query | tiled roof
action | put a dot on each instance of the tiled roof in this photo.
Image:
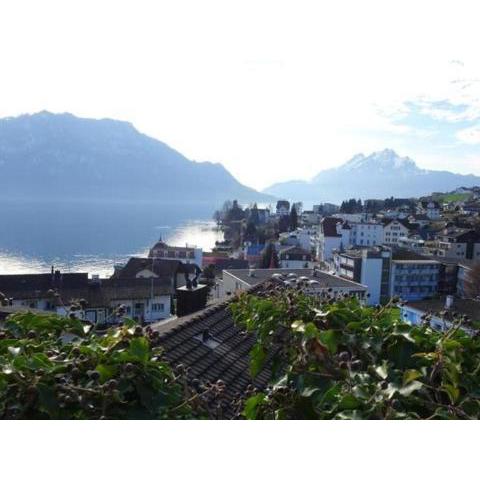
(36, 285)
(161, 267)
(225, 356)
(329, 226)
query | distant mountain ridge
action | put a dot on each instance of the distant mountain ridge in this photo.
(48, 156)
(379, 175)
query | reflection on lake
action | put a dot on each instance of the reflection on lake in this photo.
(91, 237)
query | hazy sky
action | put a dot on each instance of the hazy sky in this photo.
(273, 90)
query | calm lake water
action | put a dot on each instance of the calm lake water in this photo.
(92, 236)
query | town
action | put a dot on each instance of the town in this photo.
(423, 251)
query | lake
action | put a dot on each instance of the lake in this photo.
(93, 236)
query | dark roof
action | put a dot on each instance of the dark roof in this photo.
(295, 253)
(403, 254)
(36, 285)
(283, 203)
(329, 226)
(260, 275)
(161, 267)
(460, 306)
(113, 289)
(403, 222)
(225, 358)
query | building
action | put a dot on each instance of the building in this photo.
(187, 254)
(412, 276)
(253, 253)
(443, 312)
(394, 231)
(370, 267)
(318, 283)
(145, 299)
(366, 233)
(334, 234)
(212, 347)
(430, 208)
(295, 257)
(283, 208)
(390, 272)
(460, 243)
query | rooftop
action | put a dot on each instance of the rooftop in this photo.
(325, 280)
(223, 355)
(468, 307)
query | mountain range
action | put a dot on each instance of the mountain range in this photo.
(379, 175)
(50, 156)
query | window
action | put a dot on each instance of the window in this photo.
(158, 307)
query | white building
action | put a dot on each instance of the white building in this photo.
(393, 231)
(186, 254)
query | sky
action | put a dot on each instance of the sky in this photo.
(273, 90)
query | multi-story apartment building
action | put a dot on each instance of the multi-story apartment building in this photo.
(366, 233)
(413, 277)
(389, 273)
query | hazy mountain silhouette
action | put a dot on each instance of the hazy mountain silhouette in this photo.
(379, 175)
(48, 156)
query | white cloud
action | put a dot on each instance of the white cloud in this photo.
(470, 135)
(271, 89)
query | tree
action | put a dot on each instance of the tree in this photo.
(270, 257)
(335, 359)
(293, 219)
(254, 217)
(250, 232)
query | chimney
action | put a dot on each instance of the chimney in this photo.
(251, 272)
(449, 302)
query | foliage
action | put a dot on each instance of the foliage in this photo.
(335, 359)
(293, 219)
(53, 367)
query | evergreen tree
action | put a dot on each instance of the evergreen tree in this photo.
(293, 219)
(269, 257)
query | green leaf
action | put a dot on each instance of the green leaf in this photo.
(410, 376)
(382, 370)
(106, 372)
(410, 388)
(348, 402)
(251, 406)
(298, 326)
(311, 331)
(328, 339)
(257, 359)
(139, 348)
(14, 351)
(452, 392)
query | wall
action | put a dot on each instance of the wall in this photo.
(371, 276)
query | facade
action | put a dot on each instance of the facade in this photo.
(295, 257)
(366, 234)
(430, 208)
(390, 272)
(393, 232)
(333, 235)
(459, 243)
(370, 267)
(414, 279)
(144, 299)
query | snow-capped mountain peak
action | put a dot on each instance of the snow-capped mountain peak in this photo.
(384, 159)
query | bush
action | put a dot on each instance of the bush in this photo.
(340, 360)
(53, 367)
